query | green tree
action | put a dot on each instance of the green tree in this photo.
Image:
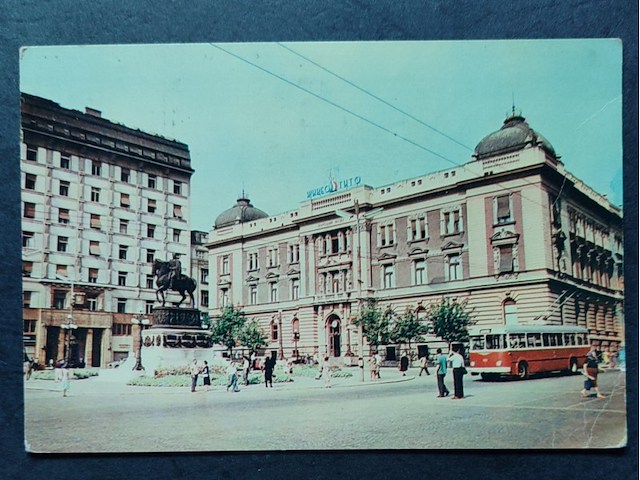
(227, 328)
(408, 328)
(376, 323)
(450, 319)
(252, 337)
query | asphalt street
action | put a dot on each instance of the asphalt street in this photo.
(395, 413)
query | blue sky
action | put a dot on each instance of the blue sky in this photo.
(275, 119)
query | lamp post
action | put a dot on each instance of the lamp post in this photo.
(68, 327)
(358, 269)
(141, 322)
(280, 348)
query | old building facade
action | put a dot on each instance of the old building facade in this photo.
(100, 201)
(511, 231)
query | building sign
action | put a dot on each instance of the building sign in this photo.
(333, 186)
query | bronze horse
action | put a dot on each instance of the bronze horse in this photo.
(182, 284)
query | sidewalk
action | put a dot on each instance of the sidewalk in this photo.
(98, 385)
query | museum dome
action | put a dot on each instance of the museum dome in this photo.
(241, 212)
(515, 134)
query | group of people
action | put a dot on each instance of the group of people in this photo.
(196, 370)
(454, 358)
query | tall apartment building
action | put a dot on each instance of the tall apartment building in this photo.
(100, 202)
(511, 231)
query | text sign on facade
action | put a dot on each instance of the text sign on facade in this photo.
(333, 186)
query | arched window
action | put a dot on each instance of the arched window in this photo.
(510, 312)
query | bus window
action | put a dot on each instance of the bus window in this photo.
(534, 340)
(558, 339)
(516, 340)
(569, 339)
(477, 342)
(546, 341)
(494, 342)
(581, 339)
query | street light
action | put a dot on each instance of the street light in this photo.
(358, 271)
(141, 322)
(68, 327)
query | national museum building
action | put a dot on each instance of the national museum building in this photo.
(100, 201)
(511, 231)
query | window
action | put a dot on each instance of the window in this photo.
(294, 253)
(274, 331)
(61, 270)
(273, 292)
(273, 257)
(121, 329)
(125, 175)
(149, 281)
(224, 265)
(177, 211)
(253, 261)
(65, 161)
(122, 305)
(454, 267)
(29, 210)
(151, 230)
(420, 272)
(503, 209)
(150, 255)
(510, 312)
(29, 326)
(32, 154)
(151, 206)
(295, 289)
(386, 235)
(95, 221)
(27, 268)
(64, 189)
(388, 276)
(26, 299)
(59, 299)
(151, 181)
(506, 258)
(253, 294)
(62, 244)
(92, 303)
(124, 226)
(122, 279)
(96, 168)
(224, 297)
(148, 307)
(122, 252)
(95, 194)
(30, 181)
(27, 239)
(534, 340)
(125, 202)
(177, 188)
(517, 340)
(94, 247)
(93, 275)
(176, 235)
(204, 276)
(63, 215)
(417, 229)
(495, 342)
(204, 298)
(452, 223)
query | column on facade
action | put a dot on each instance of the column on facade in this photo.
(105, 347)
(323, 347)
(365, 257)
(310, 253)
(62, 339)
(88, 348)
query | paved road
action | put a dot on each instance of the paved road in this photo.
(404, 413)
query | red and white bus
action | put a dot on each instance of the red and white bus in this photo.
(521, 350)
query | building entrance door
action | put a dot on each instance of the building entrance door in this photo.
(333, 322)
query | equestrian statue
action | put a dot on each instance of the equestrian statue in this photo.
(169, 277)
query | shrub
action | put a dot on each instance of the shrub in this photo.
(305, 371)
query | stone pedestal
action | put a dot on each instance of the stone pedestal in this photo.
(175, 339)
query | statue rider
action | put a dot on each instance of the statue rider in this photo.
(175, 269)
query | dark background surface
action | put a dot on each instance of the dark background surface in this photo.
(40, 22)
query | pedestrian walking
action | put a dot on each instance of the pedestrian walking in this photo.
(457, 364)
(424, 366)
(232, 374)
(65, 382)
(194, 370)
(246, 368)
(377, 362)
(404, 364)
(206, 376)
(325, 373)
(441, 372)
(269, 364)
(590, 370)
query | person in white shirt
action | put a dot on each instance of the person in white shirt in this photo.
(457, 365)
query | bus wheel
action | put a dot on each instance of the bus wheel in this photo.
(573, 366)
(523, 370)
